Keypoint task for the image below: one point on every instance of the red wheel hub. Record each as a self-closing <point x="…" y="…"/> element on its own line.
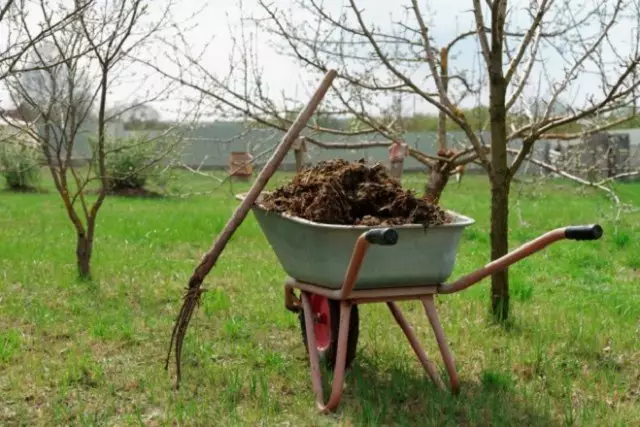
<point x="322" y="321"/>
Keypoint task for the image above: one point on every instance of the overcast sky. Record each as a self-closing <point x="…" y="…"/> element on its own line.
<point x="220" y="19"/>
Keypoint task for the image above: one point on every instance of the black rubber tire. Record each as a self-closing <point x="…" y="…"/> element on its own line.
<point x="331" y="353"/>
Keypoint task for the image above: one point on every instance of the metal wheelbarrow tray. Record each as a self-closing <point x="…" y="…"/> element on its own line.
<point x="337" y="267"/>
<point x="319" y="254"/>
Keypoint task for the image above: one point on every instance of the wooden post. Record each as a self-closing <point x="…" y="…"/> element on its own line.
<point x="397" y="152"/>
<point x="299" y="150"/>
<point x="240" y="166"/>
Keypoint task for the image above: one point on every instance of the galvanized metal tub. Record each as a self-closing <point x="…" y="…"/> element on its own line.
<point x="319" y="253"/>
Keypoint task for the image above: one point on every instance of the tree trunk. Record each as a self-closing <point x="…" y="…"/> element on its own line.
<point x="442" y="116"/>
<point x="499" y="171"/>
<point x="499" y="193"/>
<point x="439" y="175"/>
<point x="499" y="247"/>
<point x="84" y="247"/>
<point x="438" y="180"/>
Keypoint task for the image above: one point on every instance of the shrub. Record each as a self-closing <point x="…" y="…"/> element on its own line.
<point x="20" y="165"/>
<point x="133" y="162"/>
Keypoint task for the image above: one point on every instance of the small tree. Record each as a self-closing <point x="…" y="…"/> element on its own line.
<point x="72" y="69"/>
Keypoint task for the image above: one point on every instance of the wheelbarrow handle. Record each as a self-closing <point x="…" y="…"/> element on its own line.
<point x="377" y="236"/>
<point x="382" y="236"/>
<point x="576" y="232"/>
<point x="583" y="232"/>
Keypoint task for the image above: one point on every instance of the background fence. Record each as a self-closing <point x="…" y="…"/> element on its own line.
<point x="209" y="146"/>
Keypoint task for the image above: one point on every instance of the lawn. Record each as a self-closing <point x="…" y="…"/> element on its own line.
<point x="77" y="353"/>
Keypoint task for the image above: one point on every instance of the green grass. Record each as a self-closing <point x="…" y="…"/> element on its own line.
<point x="74" y="353"/>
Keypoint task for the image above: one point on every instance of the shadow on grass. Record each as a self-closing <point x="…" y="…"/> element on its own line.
<point x="25" y="190"/>
<point x="135" y="193"/>
<point x="400" y="396"/>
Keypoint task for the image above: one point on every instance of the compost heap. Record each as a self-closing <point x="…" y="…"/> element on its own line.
<point x="351" y="193"/>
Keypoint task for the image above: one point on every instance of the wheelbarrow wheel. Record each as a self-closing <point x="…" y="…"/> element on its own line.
<point x="326" y="313"/>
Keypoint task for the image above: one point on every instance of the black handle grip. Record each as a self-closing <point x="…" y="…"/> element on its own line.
<point x="583" y="232"/>
<point x="382" y="236"/>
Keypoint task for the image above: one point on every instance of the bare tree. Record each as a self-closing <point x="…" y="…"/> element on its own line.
<point x="71" y="72"/>
<point x="244" y="92"/>
<point x="18" y="43"/>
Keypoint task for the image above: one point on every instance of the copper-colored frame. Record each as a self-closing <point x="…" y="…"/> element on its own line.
<point x="348" y="297"/>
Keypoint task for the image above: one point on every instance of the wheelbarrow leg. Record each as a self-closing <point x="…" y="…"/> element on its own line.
<point x="447" y="357"/>
<point x="428" y="365"/>
<point x="339" y="368"/>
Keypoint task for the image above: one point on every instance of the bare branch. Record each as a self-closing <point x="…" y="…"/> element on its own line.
<point x="10" y="60"/>
<point x="588" y="132"/>
<point x="480" y="31"/>
<point x="424" y="31"/>
<point x="452" y="114"/>
<point x="598" y="185"/>
<point x="5" y="9"/>
<point x="533" y="31"/>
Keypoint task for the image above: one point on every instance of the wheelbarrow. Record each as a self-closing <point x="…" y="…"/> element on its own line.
<point x="336" y="267"/>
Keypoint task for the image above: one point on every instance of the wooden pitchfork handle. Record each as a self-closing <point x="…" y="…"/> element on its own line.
<point x="210" y="258"/>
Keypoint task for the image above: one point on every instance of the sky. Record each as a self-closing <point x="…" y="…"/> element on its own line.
<point x="218" y="22"/>
<point x="284" y="74"/>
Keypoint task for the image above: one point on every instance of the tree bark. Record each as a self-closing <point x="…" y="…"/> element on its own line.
<point x="435" y="185"/>
<point x="439" y="175"/>
<point x="499" y="202"/>
<point x="442" y="116"/>
<point x="84" y="248"/>
<point x="499" y="247"/>
<point x="499" y="171"/>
